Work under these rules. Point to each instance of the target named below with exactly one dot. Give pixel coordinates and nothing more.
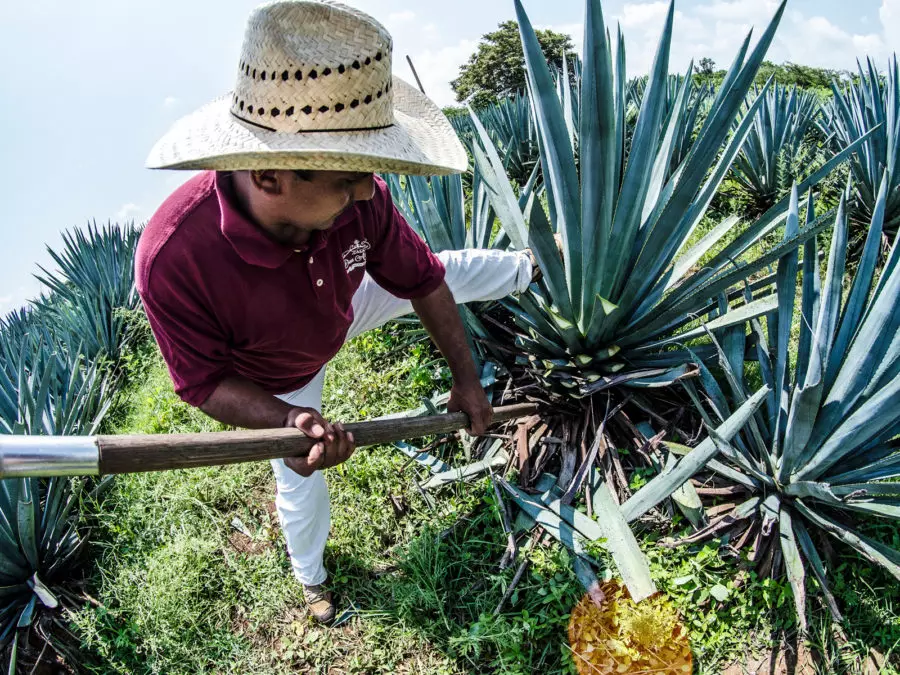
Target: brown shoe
(318, 599)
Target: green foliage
(497, 68)
(786, 74)
(95, 278)
(870, 105)
(778, 151)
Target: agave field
(730, 364)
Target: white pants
(302, 503)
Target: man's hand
(335, 447)
(471, 400)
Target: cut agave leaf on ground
(465, 472)
(546, 485)
(437, 401)
(665, 484)
(585, 574)
(550, 521)
(686, 498)
(620, 541)
(430, 462)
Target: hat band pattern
(312, 74)
(291, 110)
(308, 131)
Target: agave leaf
(465, 472)
(687, 500)
(630, 203)
(630, 560)
(831, 295)
(887, 467)
(866, 489)
(812, 289)
(543, 245)
(793, 564)
(663, 161)
(599, 137)
(26, 523)
(873, 416)
(862, 285)
(550, 521)
(690, 257)
(872, 550)
(662, 486)
(557, 159)
(815, 563)
(500, 192)
(13, 654)
(736, 317)
(44, 594)
(662, 246)
(787, 281)
(430, 462)
(757, 230)
(742, 459)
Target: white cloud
(437, 68)
(128, 211)
(170, 102)
(401, 17)
(715, 29)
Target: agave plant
(627, 286)
(695, 108)
(870, 105)
(52, 384)
(95, 277)
(775, 153)
(44, 390)
(510, 124)
(825, 444)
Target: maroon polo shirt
(223, 299)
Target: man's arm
(440, 317)
(239, 402)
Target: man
(255, 272)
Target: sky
(89, 86)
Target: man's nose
(364, 190)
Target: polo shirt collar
(248, 239)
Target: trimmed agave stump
(622, 636)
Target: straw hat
(314, 91)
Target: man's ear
(269, 181)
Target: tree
(497, 68)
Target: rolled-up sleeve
(400, 261)
(192, 345)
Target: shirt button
(319, 282)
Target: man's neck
(256, 216)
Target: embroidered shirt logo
(355, 256)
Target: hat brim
(421, 142)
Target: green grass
(180, 590)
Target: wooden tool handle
(133, 454)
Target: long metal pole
(29, 456)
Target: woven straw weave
(314, 91)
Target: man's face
(312, 200)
